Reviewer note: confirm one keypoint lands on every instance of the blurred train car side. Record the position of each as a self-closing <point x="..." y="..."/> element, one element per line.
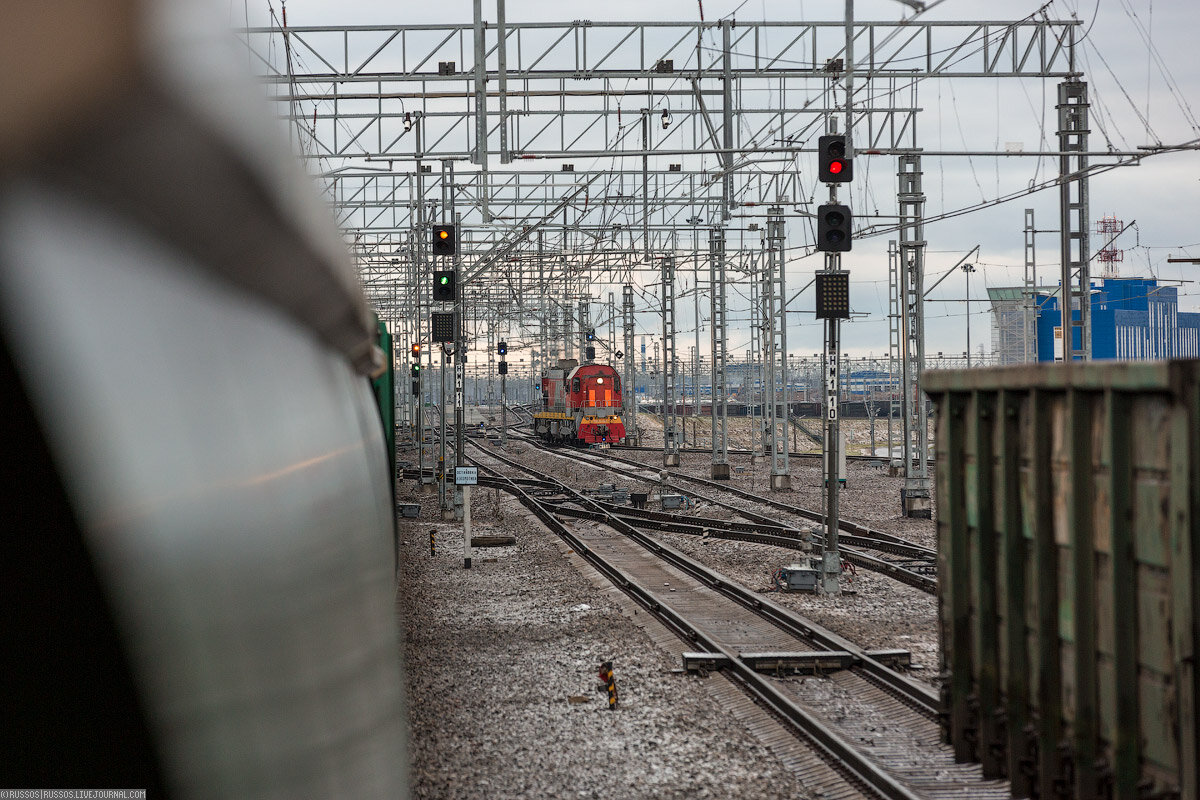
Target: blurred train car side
<point x="198" y="583"/>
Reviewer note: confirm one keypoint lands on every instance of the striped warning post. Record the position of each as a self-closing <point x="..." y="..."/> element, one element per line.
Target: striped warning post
<point x="610" y="683"/>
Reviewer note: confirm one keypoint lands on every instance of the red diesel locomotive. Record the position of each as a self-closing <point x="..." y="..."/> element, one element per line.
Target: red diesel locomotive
<point x="580" y="404"/>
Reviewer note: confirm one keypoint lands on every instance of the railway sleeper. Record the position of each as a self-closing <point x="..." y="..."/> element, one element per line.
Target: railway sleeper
<point x="815" y="662"/>
<point x="896" y="659"/>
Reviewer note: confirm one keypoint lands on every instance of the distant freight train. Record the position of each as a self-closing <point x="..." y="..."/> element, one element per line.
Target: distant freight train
<point x="580" y="404"/>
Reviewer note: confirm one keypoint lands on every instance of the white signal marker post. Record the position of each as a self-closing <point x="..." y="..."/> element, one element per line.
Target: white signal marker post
<point x="831" y="565"/>
<point x="466" y="477"/>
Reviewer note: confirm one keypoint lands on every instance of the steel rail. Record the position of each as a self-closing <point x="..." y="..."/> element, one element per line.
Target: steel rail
<point x="815" y="516"/>
<point x="903" y="687"/>
<point x="720" y="529"/>
<point x="833" y="748"/>
<point x="858" y="535"/>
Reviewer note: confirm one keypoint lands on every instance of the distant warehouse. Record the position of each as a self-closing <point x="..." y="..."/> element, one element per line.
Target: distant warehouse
<point x="1132" y="318"/>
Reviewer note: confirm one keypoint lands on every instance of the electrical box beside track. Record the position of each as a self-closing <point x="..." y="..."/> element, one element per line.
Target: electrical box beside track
<point x="799" y="578"/>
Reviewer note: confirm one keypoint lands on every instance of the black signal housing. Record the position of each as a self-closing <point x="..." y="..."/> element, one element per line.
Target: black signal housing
<point x="833" y="228"/>
<point x="832" y="164"/>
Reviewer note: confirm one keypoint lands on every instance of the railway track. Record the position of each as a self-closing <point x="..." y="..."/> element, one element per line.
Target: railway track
<point x="731" y="626"/>
<point x="917" y="570"/>
<point x="865" y="459"/>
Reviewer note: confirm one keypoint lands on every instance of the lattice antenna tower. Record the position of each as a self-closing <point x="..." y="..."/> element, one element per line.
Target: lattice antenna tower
<point x="1107" y="228"/>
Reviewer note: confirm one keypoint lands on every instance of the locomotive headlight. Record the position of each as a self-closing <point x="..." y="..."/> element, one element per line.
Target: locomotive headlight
<point x="599" y="380"/>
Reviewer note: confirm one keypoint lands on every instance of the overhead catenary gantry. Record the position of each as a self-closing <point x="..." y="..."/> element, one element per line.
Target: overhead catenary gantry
<point x="574" y="154"/>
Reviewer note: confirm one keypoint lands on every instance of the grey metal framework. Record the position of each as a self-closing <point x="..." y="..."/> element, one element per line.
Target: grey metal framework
<point x="367" y="97"/>
<point x="669" y="365"/>
<point x="491" y="359"/>
<point x="895" y="340"/>
<point x="916" y="498"/>
<point x="359" y="89"/>
<point x="629" y="384"/>
<point x="719" y="405"/>
<point x="775" y="353"/>
<point x="568" y="326"/>
<point x="1075" y="292"/>
<point x="1029" y="306"/>
<point x="1010" y="315"/>
<point x="611" y="309"/>
<point x="585" y="324"/>
<point x="758" y="435"/>
<point x="563" y="107"/>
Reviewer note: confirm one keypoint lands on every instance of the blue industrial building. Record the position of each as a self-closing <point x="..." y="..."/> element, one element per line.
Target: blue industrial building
<point x="1132" y="318"/>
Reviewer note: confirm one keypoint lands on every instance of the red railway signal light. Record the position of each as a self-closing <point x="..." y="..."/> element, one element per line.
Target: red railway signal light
<point x="832" y="164"/>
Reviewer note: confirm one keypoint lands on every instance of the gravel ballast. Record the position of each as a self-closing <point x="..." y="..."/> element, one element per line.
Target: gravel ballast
<point x="502" y="662"/>
<point x="503" y="658"/>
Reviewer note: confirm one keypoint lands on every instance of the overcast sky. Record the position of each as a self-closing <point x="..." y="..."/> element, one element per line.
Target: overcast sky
<point x="1132" y="106"/>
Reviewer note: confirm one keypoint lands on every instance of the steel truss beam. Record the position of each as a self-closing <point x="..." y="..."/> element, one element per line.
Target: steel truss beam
<point x="719" y="402"/>
<point x="669" y="365"/>
<point x="366" y="91"/>
<point x="775" y="352"/>
<point x="916" y="499"/>
<point x="1075" y="288"/>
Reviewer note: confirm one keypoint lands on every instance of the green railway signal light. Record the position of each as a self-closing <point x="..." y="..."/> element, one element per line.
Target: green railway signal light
<point x="443" y="285"/>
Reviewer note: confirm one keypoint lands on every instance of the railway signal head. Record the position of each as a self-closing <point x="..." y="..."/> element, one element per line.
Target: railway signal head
<point x="416" y="351"/>
<point x="416" y="370"/>
<point x="443" y="326"/>
<point x="833" y="228"/>
<point x="833" y="295"/>
<point x="445" y="242"/>
<point x="832" y="164"/>
<point x="503" y="368"/>
<point x="591" y="334"/>
<point x="502" y="348"/>
<point x="443" y="285"/>
<point x="591" y="354"/>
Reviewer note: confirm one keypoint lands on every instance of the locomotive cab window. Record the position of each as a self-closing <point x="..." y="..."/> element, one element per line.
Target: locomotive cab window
<point x="575" y="385"/>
